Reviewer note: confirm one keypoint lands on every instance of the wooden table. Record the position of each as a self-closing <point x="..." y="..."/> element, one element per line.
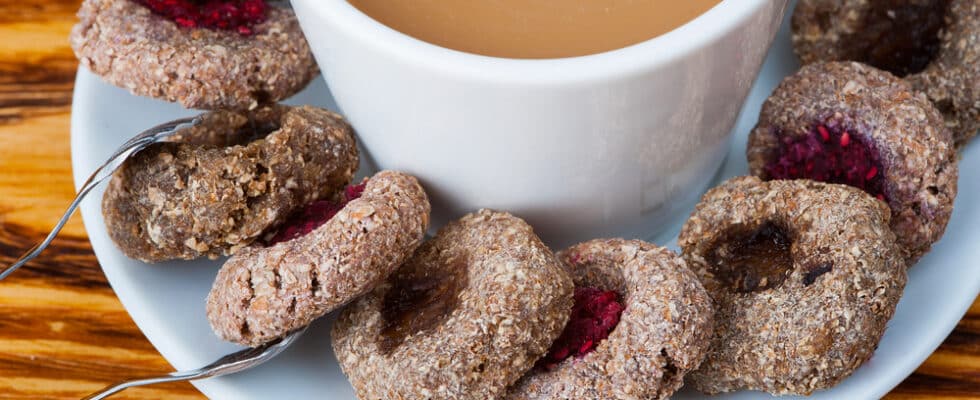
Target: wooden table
<point x="63" y="333"/>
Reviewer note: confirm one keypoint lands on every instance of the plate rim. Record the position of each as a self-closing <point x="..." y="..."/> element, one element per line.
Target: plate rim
<point x="219" y="388"/>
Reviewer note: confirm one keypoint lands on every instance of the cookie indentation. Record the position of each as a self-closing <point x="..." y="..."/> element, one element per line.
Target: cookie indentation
<point x="420" y="303"/>
<point x="901" y="37"/>
<point x="753" y="260"/>
<point x="829" y="154"/>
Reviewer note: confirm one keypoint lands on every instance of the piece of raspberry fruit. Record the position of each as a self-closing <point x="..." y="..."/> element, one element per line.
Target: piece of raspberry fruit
<point x="594" y="316"/>
<point x="314" y="215"/>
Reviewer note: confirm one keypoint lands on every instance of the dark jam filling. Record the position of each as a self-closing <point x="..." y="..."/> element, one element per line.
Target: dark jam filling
<point x="594" y="316"/>
<point x="230" y="15"/>
<point x="900" y="36"/>
<point x="417" y="303"/>
<point x="314" y="215"/>
<point x="831" y="155"/>
<point x="752" y="260"/>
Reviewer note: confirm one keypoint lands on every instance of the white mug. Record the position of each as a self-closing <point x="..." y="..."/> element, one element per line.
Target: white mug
<point x="613" y="144"/>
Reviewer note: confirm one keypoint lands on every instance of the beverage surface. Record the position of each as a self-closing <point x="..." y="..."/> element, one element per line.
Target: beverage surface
<point x="534" y="28"/>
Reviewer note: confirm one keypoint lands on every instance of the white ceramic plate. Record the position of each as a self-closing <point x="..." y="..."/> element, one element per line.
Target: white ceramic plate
<point x="167" y="300"/>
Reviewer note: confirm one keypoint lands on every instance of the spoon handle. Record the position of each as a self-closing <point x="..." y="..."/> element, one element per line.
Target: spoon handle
<point x="229" y="364"/>
<point x="132" y="146"/>
<point x="120" y="386"/>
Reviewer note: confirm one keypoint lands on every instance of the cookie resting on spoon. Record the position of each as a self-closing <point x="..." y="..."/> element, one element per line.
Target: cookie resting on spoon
<point x="323" y="258"/>
<point x="224" y="183"/>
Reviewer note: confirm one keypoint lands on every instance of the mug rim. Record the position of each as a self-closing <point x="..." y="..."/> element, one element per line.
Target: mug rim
<point x="677" y="43"/>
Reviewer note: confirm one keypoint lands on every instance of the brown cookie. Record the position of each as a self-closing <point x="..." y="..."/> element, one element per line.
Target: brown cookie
<point x="150" y="55"/>
<point x="848" y="123"/>
<point x="804" y="277"/>
<point x="227" y="181"/>
<point x="662" y="334"/>
<point x="265" y="291"/>
<point x="934" y="44"/>
<point x="464" y="318"/>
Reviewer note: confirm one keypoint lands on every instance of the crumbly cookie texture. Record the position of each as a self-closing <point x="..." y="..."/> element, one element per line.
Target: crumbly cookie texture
<point x="262" y="293"/>
<point x="947" y="70"/>
<point x="663" y="333"/>
<point x="130" y="47"/>
<point x="464" y="318"/>
<point x="903" y="130"/>
<point x="804" y="277"/>
<point x="952" y="81"/>
<point x="226" y="181"/>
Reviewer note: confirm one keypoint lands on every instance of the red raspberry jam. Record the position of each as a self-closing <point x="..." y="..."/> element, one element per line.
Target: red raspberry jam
<point x="594" y="316"/>
<point x="314" y="216"/>
<point x="832" y="155"/>
<point x="230" y="15"/>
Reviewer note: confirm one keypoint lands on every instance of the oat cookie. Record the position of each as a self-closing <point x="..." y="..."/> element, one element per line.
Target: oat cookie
<point x="663" y="332"/>
<point x="844" y="122"/>
<point x="934" y="44"/>
<point x="267" y="290"/>
<point x="226" y="181"/>
<point x="464" y="318"/>
<point x="804" y="277"/>
<point x="152" y="55"/>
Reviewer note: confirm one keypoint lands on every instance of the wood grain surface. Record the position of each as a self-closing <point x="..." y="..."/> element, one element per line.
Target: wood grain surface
<point x="63" y="333"/>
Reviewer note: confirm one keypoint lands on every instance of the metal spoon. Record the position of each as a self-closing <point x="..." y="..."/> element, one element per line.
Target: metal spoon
<point x="229" y="364"/>
<point x="139" y="142"/>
